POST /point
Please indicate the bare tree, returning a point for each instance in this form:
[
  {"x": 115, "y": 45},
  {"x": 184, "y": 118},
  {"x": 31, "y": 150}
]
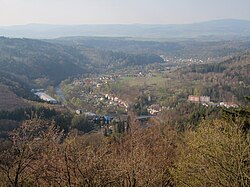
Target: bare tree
[{"x": 19, "y": 166}]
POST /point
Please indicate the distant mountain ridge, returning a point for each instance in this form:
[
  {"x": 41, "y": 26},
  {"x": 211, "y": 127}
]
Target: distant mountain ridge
[{"x": 226, "y": 28}]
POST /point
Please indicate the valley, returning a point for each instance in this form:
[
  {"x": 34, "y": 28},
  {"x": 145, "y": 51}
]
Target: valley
[
  {"x": 155, "y": 78},
  {"x": 82, "y": 103},
  {"x": 114, "y": 93}
]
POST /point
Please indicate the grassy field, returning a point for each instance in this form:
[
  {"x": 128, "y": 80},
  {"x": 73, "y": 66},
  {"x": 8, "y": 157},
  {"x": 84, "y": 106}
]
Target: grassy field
[
  {"x": 156, "y": 85},
  {"x": 166, "y": 88},
  {"x": 155, "y": 79}
]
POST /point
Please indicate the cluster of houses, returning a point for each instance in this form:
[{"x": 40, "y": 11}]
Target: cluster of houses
[
  {"x": 100, "y": 81},
  {"x": 95, "y": 98},
  {"x": 105, "y": 79},
  {"x": 95, "y": 82},
  {"x": 114, "y": 99},
  {"x": 205, "y": 100},
  {"x": 181, "y": 60},
  {"x": 120, "y": 123},
  {"x": 104, "y": 121}
]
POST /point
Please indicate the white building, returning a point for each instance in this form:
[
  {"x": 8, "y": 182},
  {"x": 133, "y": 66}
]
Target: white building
[{"x": 43, "y": 96}]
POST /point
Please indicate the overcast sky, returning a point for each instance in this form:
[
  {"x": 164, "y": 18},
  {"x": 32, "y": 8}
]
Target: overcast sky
[{"x": 13, "y": 12}]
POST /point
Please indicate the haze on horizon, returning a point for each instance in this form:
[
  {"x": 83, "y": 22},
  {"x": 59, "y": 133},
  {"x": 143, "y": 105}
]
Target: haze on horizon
[{"x": 72, "y": 12}]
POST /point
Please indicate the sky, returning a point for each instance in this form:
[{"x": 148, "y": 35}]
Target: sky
[{"x": 73, "y": 12}]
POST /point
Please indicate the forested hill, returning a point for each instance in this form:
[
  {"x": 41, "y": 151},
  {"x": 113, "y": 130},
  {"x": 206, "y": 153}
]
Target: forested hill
[
  {"x": 34, "y": 60},
  {"x": 38, "y": 60},
  {"x": 229, "y": 78},
  {"x": 9, "y": 101},
  {"x": 238, "y": 66},
  {"x": 174, "y": 48},
  {"x": 27, "y": 63}
]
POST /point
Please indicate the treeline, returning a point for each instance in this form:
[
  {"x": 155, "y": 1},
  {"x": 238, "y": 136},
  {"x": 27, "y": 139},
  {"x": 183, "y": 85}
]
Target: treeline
[
  {"x": 215, "y": 153},
  {"x": 207, "y": 68},
  {"x": 61, "y": 119}
]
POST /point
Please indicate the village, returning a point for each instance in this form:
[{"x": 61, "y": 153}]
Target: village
[
  {"x": 176, "y": 60},
  {"x": 95, "y": 98}
]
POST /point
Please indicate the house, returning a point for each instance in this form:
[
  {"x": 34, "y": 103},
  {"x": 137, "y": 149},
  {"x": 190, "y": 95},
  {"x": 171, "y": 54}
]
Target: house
[
  {"x": 106, "y": 119},
  {"x": 202, "y": 99},
  {"x": 193, "y": 98},
  {"x": 89, "y": 114},
  {"x": 78, "y": 111},
  {"x": 154, "y": 109},
  {"x": 98, "y": 85},
  {"x": 106, "y": 96}
]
